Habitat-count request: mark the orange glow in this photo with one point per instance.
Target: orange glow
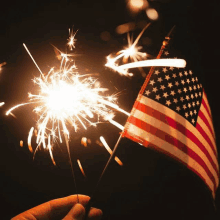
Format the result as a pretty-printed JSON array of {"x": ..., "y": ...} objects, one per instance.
[
  {"x": 21, "y": 143},
  {"x": 84, "y": 141},
  {"x": 80, "y": 166},
  {"x": 29, "y": 139},
  {"x": 125, "y": 28},
  {"x": 137, "y": 5},
  {"x": 152, "y": 13}
]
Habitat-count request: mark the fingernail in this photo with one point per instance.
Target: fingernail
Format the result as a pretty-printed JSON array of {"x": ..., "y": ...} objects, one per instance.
[{"x": 78, "y": 211}]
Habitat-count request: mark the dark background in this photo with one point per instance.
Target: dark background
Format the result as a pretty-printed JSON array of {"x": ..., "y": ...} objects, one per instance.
[{"x": 149, "y": 184}]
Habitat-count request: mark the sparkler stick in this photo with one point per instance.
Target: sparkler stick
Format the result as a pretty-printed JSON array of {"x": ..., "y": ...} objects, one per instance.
[
  {"x": 71, "y": 164},
  {"x": 164, "y": 44}
]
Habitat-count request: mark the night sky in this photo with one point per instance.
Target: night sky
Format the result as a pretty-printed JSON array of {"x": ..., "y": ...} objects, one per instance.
[{"x": 149, "y": 183}]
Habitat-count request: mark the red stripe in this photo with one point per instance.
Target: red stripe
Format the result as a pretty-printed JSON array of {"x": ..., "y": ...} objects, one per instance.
[
  {"x": 207, "y": 109},
  {"x": 204, "y": 134},
  {"x": 173, "y": 141},
  {"x": 169, "y": 121},
  {"x": 202, "y": 116},
  {"x": 147, "y": 144}
]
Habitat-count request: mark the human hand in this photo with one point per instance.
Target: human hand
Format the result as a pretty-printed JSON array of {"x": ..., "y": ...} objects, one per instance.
[{"x": 65, "y": 208}]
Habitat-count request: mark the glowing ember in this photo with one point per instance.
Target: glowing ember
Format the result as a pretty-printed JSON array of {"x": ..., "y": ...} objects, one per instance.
[
  {"x": 71, "y": 40},
  {"x": 80, "y": 166}
]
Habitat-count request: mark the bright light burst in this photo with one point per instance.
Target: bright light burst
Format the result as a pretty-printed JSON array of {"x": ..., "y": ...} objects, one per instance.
[
  {"x": 138, "y": 58},
  {"x": 71, "y": 39},
  {"x": 67, "y": 99}
]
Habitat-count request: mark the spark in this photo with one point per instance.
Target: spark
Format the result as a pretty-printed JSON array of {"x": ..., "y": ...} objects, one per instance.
[
  {"x": 71, "y": 40},
  {"x": 65, "y": 100},
  {"x": 138, "y": 58},
  {"x": 102, "y": 139},
  {"x": 2, "y": 103},
  {"x": 132, "y": 52},
  {"x": 80, "y": 166}
]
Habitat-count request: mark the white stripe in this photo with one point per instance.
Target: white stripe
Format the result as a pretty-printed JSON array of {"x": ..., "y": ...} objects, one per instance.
[
  {"x": 179, "y": 136},
  {"x": 203, "y": 109},
  {"x": 178, "y": 118},
  {"x": 165, "y": 146},
  {"x": 206, "y": 102},
  {"x": 206, "y": 130}
]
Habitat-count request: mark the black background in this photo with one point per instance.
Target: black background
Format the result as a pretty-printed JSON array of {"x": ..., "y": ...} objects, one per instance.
[{"x": 149, "y": 184}]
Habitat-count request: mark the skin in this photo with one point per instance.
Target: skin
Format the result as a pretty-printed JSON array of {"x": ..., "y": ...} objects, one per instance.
[{"x": 65, "y": 208}]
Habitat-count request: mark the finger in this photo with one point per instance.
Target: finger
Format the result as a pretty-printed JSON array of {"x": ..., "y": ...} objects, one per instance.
[
  {"x": 95, "y": 214},
  {"x": 76, "y": 213},
  {"x": 53, "y": 209}
]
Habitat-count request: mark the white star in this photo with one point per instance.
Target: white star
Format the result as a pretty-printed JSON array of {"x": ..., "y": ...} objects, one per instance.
[
  {"x": 196, "y": 95},
  {"x": 190, "y": 72},
  {"x": 170, "y": 85},
  {"x": 190, "y": 88},
  {"x": 184, "y": 107},
  {"x": 182, "y": 81},
  {"x": 179, "y": 91},
  {"x": 193, "y": 104},
  {"x": 178, "y": 108},
  {"x": 162, "y": 87},
  {"x": 195, "y": 112},
  {"x": 147, "y": 92},
  {"x": 193, "y": 80},
  {"x": 198, "y": 86},
  {"x": 196, "y": 79},
  {"x": 176, "y": 83},
  {"x": 175, "y": 100},
  {"x": 156, "y": 72},
  {"x": 194, "y": 87},
  {"x": 166, "y": 53},
  {"x": 165, "y": 95},
  {"x": 180, "y": 74},
  {"x": 197, "y": 103},
  {"x": 185, "y": 73},
  {"x": 174, "y": 75},
  {"x": 193, "y": 121},
  {"x": 186, "y": 115},
  {"x": 159, "y": 79},
  {"x": 152, "y": 82},
  {"x": 192, "y": 96},
  {"x": 191, "y": 113},
  {"x": 188, "y": 81},
  {"x": 164, "y": 70},
  {"x": 172, "y": 93},
  {"x": 181, "y": 99},
  {"x": 155, "y": 89},
  {"x": 185, "y": 89},
  {"x": 189, "y": 105},
  {"x": 157, "y": 97},
  {"x": 168, "y": 102},
  {"x": 171, "y": 68},
  {"x": 187, "y": 97},
  {"x": 200, "y": 94},
  {"x": 167, "y": 77}
]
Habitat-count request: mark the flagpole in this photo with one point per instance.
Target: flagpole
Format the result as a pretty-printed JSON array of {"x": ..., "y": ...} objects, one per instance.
[{"x": 164, "y": 44}]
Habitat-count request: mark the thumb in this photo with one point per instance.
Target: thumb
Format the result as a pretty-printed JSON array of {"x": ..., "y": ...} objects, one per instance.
[{"x": 76, "y": 213}]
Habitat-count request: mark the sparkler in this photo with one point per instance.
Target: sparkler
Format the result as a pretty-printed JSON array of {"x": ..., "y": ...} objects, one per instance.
[
  {"x": 133, "y": 52},
  {"x": 65, "y": 97}
]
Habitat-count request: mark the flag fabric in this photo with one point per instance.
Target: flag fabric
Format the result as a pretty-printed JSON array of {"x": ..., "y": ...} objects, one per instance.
[{"x": 172, "y": 115}]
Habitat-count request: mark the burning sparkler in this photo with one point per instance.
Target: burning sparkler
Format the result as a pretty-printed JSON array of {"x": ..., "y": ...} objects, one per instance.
[
  {"x": 138, "y": 58},
  {"x": 67, "y": 98}
]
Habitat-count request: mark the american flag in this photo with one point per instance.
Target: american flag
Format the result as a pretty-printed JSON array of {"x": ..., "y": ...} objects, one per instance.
[{"x": 172, "y": 115}]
